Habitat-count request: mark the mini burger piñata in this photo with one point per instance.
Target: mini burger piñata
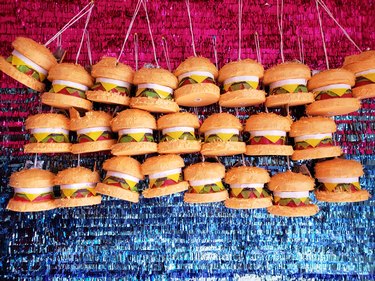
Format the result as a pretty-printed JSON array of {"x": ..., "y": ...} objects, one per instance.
[{"x": 165, "y": 175}]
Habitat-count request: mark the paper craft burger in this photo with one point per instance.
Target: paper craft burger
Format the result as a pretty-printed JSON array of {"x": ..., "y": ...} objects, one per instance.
[
  {"x": 93, "y": 131},
  {"x": 49, "y": 133},
  {"x": 165, "y": 175},
  {"x": 113, "y": 82},
  {"x": 339, "y": 181},
  {"x": 33, "y": 191},
  {"x": 205, "y": 180},
  {"x": 247, "y": 188},
  {"x": 178, "y": 133},
  {"x": 333, "y": 93},
  {"x": 122, "y": 178},
  {"x": 268, "y": 134},
  {"x": 313, "y": 138},
  {"x": 29, "y": 63},
  {"x": 135, "y": 133},
  {"x": 240, "y": 81},
  {"x": 77, "y": 187},
  {"x": 196, "y": 82},
  {"x": 287, "y": 84},
  {"x": 222, "y": 135},
  {"x": 154, "y": 90},
  {"x": 291, "y": 195},
  {"x": 69, "y": 85},
  {"x": 363, "y": 67}
]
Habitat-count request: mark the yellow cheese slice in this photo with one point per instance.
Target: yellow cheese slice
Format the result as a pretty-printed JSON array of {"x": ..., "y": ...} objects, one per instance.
[
  {"x": 198, "y": 78},
  {"x": 175, "y": 135},
  {"x": 369, "y": 76},
  {"x": 174, "y": 177},
  {"x": 131, "y": 183},
  {"x": 356, "y": 184},
  {"x": 108, "y": 86},
  {"x": 162, "y": 94},
  {"x": 260, "y": 190},
  {"x": 330, "y": 186},
  {"x": 236, "y": 191},
  {"x": 94, "y": 135},
  {"x": 273, "y": 138},
  {"x": 40, "y": 136},
  {"x": 137, "y": 136},
  {"x": 290, "y": 87},
  {"x": 152, "y": 181},
  {"x": 339, "y": 91},
  {"x": 31, "y": 197},
  {"x": 225, "y": 136},
  {"x": 57, "y": 88},
  {"x": 68, "y": 192},
  {"x": 313, "y": 142},
  {"x": 16, "y": 61},
  {"x": 198, "y": 188}
]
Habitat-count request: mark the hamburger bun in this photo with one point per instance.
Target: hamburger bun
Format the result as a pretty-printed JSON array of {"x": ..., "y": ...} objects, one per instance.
[
  {"x": 286, "y": 70},
  {"x": 220, "y": 121},
  {"x": 292, "y": 99},
  {"x": 241, "y": 98},
  {"x": 226, "y": 148},
  {"x": 65, "y": 101},
  {"x": 154, "y": 104},
  {"x": 246, "y": 67},
  {"x": 196, "y": 64},
  {"x": 196, "y": 95},
  {"x": 133, "y": 118},
  {"x": 361, "y": 57},
  {"x": 329, "y": 77}
]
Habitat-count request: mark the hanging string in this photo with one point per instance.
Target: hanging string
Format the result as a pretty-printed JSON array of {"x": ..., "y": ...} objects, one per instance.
[
  {"x": 288, "y": 162},
  {"x": 215, "y": 51},
  {"x": 84, "y": 31},
  {"x": 76, "y": 18},
  {"x": 35, "y": 160},
  {"x": 166, "y": 53},
  {"x": 301, "y": 49},
  {"x": 150, "y": 31},
  {"x": 243, "y": 159},
  {"x": 257, "y": 47},
  {"x": 328, "y": 11},
  {"x": 287, "y": 158},
  {"x": 129, "y": 29},
  {"x": 136, "y": 46},
  {"x": 280, "y": 15},
  {"x": 59, "y": 40},
  {"x": 88, "y": 47},
  {"x": 322, "y": 34},
  {"x": 220, "y": 109},
  {"x": 78, "y": 160},
  {"x": 191, "y": 27},
  {"x": 240, "y": 5}
]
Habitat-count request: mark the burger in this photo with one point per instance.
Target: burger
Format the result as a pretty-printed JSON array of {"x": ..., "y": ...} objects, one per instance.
[
  {"x": 291, "y": 195},
  {"x": 165, "y": 175},
  {"x": 247, "y": 188},
  {"x": 122, "y": 178},
  {"x": 77, "y": 187},
  {"x": 205, "y": 180},
  {"x": 363, "y": 67},
  {"x": 69, "y": 85},
  {"x": 33, "y": 191},
  {"x": 196, "y": 82},
  {"x": 178, "y": 131},
  {"x": 222, "y": 135},
  {"x": 333, "y": 93},
  {"x": 240, "y": 81},
  {"x": 49, "y": 133},
  {"x": 268, "y": 134},
  {"x": 339, "y": 181},
  {"x": 113, "y": 82},
  {"x": 313, "y": 138},
  {"x": 135, "y": 133},
  {"x": 154, "y": 90},
  {"x": 93, "y": 131},
  {"x": 29, "y": 63},
  {"x": 287, "y": 84}
]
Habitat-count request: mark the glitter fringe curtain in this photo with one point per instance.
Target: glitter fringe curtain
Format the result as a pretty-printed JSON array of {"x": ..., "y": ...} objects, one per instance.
[{"x": 165, "y": 239}]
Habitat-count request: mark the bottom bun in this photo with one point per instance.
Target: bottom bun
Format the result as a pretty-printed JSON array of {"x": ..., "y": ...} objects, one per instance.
[
  {"x": 292, "y": 99},
  {"x": 286, "y": 211},
  {"x": 179, "y": 146},
  {"x": 224, "y": 148},
  {"x": 92, "y": 146},
  {"x": 240, "y": 98},
  {"x": 199, "y": 94},
  {"x": 154, "y": 105},
  {"x": 117, "y": 192},
  {"x": 134, "y": 148},
  {"x": 168, "y": 190},
  {"x": 326, "y": 196},
  {"x": 24, "y": 79},
  {"x": 107, "y": 97},
  {"x": 65, "y": 101},
  {"x": 77, "y": 202},
  {"x": 317, "y": 153},
  {"x": 237, "y": 203},
  {"x": 206, "y": 198},
  {"x": 332, "y": 107},
  {"x": 47, "y": 147},
  {"x": 269, "y": 149},
  {"x": 19, "y": 206},
  {"x": 365, "y": 91}
]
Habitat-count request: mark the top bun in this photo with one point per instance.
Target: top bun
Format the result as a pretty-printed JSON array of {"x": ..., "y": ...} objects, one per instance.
[
  {"x": 162, "y": 163},
  {"x": 361, "y": 62},
  {"x": 286, "y": 70},
  {"x": 32, "y": 178},
  {"x": 70, "y": 72},
  {"x": 361, "y": 57},
  {"x": 76, "y": 175},
  {"x": 47, "y": 120},
  {"x": 312, "y": 126},
  {"x": 246, "y": 175},
  {"x": 35, "y": 52},
  {"x": 133, "y": 118},
  {"x": 338, "y": 168},
  {"x": 124, "y": 164},
  {"x": 179, "y": 119},
  {"x": 267, "y": 122},
  {"x": 108, "y": 67},
  {"x": 289, "y": 181},
  {"x": 204, "y": 171},
  {"x": 158, "y": 76},
  {"x": 331, "y": 76},
  {"x": 90, "y": 120},
  {"x": 196, "y": 64},
  {"x": 221, "y": 121},
  {"x": 247, "y": 67}
]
